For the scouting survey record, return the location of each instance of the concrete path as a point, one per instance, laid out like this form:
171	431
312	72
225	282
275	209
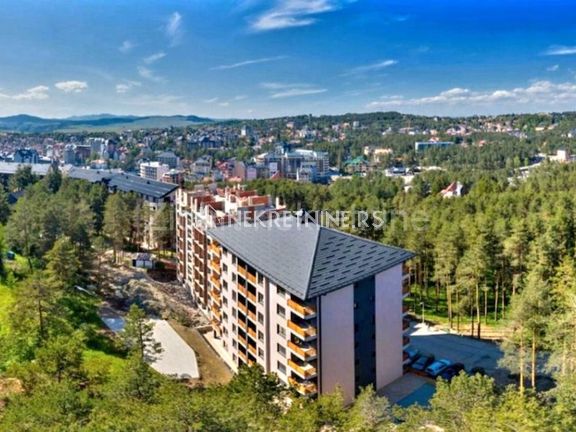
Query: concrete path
176	360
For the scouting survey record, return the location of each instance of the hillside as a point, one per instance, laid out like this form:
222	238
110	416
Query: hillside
105	122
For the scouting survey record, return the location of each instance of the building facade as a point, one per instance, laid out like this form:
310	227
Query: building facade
199	209
320	308
153	170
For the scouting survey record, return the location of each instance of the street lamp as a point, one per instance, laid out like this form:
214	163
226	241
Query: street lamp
422	306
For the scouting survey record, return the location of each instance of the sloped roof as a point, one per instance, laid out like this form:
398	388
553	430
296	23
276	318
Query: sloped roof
143	186
305	258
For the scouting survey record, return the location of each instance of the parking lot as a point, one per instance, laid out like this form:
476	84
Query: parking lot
470	352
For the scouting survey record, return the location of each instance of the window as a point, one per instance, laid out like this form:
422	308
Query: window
225	285
280	330
233	328
224	268
260	336
225	301
280	311
261	298
225	316
234	260
234	295
260	318
260	353
281	368
260	279
234	312
280	292
281	350
233	277
234	344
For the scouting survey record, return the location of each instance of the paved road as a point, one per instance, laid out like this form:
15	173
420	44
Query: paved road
470	352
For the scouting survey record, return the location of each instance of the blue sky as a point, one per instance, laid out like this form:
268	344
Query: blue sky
256	58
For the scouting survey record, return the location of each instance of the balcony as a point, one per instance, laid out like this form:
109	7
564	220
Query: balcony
242	272
215	250
252	349
243	340
242	307
405	310
216	311
242	290
305	332
305	370
305	388
405	358
242	325
251	278
215	281
251	315
251	296
405	325
406	289
305	352
243	357
303	311
215	266
405	341
252	332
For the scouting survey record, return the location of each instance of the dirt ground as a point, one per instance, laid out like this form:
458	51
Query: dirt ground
213	370
124	284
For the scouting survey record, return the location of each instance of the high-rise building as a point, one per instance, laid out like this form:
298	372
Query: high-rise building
198	209
320	308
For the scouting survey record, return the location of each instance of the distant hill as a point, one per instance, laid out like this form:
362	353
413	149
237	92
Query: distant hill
99	122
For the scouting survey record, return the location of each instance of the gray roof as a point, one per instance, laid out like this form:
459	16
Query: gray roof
142	186
124	182
307	259
11	167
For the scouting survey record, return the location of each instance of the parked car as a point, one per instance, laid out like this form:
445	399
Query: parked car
413	354
422	362
477	370
437	367
451	371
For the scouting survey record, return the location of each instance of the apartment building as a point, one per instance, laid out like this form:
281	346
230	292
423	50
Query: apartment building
320	308
153	170
199	209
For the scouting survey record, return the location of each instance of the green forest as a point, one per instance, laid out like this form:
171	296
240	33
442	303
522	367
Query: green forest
501	257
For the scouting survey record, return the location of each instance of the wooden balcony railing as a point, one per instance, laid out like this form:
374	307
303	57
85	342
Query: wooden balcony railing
304	388
304	311
242	307
215	281
305	371
306	353
304	332
252	332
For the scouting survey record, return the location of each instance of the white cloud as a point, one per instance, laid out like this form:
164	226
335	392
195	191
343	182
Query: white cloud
224	104
126	46
371	67
211	100
293	13
553	68
35	93
126	86
71	86
240	97
248	62
148	74
538	92
154	57
173	29
559	50
282	90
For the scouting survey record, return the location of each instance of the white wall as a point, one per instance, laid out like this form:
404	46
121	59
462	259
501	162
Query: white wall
337	342
388	303
273	337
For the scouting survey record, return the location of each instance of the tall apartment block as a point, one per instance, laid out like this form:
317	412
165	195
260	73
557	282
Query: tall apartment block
208	207
320	308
